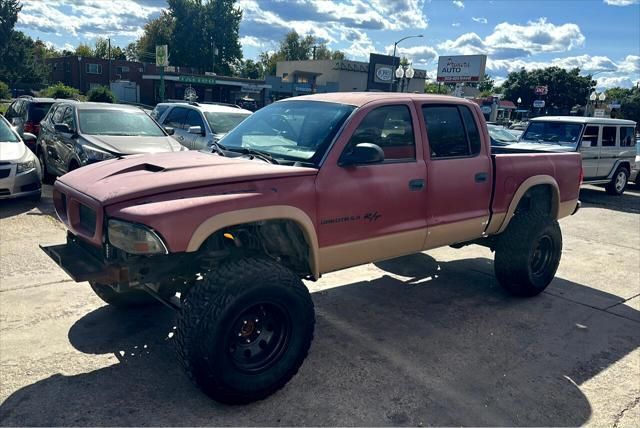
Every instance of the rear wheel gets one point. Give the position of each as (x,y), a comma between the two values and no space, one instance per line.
(245,330)
(47,177)
(528,253)
(619,182)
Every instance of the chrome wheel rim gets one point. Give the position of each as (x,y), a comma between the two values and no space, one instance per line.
(621,180)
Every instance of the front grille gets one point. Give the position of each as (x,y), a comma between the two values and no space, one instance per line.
(87,219)
(4,192)
(4,173)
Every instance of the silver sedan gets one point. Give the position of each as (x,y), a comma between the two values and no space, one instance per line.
(20,173)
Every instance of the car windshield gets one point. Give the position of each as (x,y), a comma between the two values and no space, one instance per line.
(295,130)
(38,110)
(557,133)
(501,135)
(222,122)
(118,122)
(6,134)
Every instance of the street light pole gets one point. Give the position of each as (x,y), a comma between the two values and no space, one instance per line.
(586,107)
(393,67)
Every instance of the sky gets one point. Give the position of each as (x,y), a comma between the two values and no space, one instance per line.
(599,36)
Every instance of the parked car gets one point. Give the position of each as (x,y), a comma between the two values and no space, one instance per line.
(74,134)
(19,167)
(606,145)
(302,187)
(634,170)
(248,103)
(197,126)
(500,136)
(25,114)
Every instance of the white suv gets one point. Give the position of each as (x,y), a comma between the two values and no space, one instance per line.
(198,125)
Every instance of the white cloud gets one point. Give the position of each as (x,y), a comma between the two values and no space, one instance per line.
(459,3)
(621,2)
(513,40)
(480,20)
(420,55)
(251,41)
(455,24)
(361,45)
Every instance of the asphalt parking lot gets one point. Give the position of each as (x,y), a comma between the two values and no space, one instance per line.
(429,339)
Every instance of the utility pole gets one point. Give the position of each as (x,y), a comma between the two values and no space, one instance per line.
(214,52)
(314,47)
(109,56)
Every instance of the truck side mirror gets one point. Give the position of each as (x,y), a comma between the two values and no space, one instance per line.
(195,130)
(170,130)
(63,127)
(362,154)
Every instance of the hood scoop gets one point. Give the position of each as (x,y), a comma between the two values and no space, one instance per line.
(147,167)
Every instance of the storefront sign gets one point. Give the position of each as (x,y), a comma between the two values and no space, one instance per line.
(300,88)
(464,68)
(599,112)
(538,103)
(541,90)
(162,56)
(197,80)
(383,73)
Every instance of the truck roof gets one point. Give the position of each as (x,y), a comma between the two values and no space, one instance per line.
(579,119)
(361,98)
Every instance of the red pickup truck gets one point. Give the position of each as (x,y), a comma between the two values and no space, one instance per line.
(303,187)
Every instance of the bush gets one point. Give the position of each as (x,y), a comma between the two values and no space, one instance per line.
(4,91)
(101,94)
(60,91)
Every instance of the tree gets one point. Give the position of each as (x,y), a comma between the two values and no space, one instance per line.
(101,94)
(629,100)
(9,10)
(158,31)
(434,88)
(251,70)
(131,52)
(565,88)
(60,91)
(323,52)
(101,49)
(486,83)
(18,65)
(84,50)
(4,91)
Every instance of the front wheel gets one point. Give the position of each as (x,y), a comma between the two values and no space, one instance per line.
(619,182)
(47,177)
(528,253)
(244,331)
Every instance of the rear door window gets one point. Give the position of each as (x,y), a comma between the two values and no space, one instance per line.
(194,119)
(37,111)
(446,132)
(609,136)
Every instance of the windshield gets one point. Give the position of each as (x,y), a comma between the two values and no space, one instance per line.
(564,134)
(38,110)
(295,130)
(222,122)
(6,134)
(501,135)
(118,122)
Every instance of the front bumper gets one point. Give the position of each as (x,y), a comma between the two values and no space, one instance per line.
(18,185)
(82,264)
(578,206)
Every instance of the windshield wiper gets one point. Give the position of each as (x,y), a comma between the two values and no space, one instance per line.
(265,156)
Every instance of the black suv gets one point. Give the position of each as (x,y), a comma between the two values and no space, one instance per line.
(74,134)
(25,114)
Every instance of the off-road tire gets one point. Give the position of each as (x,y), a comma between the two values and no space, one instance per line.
(614,187)
(528,253)
(208,344)
(129,299)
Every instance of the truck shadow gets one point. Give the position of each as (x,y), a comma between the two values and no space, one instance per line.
(629,202)
(428,343)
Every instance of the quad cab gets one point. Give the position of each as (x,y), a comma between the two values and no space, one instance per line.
(303,187)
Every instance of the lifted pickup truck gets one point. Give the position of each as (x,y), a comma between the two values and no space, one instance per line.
(303,187)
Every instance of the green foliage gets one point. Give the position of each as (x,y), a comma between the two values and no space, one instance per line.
(294,47)
(4,91)
(84,50)
(250,69)
(60,90)
(9,10)
(18,64)
(434,88)
(486,84)
(158,31)
(101,94)
(629,100)
(566,88)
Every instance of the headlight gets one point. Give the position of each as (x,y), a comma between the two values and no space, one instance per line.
(135,238)
(95,154)
(26,166)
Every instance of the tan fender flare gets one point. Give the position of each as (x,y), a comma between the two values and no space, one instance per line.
(530,182)
(274,212)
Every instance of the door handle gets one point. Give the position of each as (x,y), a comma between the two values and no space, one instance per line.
(180,137)
(481,177)
(417,184)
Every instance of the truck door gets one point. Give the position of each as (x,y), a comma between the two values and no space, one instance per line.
(194,141)
(175,119)
(609,150)
(459,174)
(376,211)
(590,151)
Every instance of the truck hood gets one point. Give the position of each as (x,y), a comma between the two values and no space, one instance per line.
(129,145)
(132,177)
